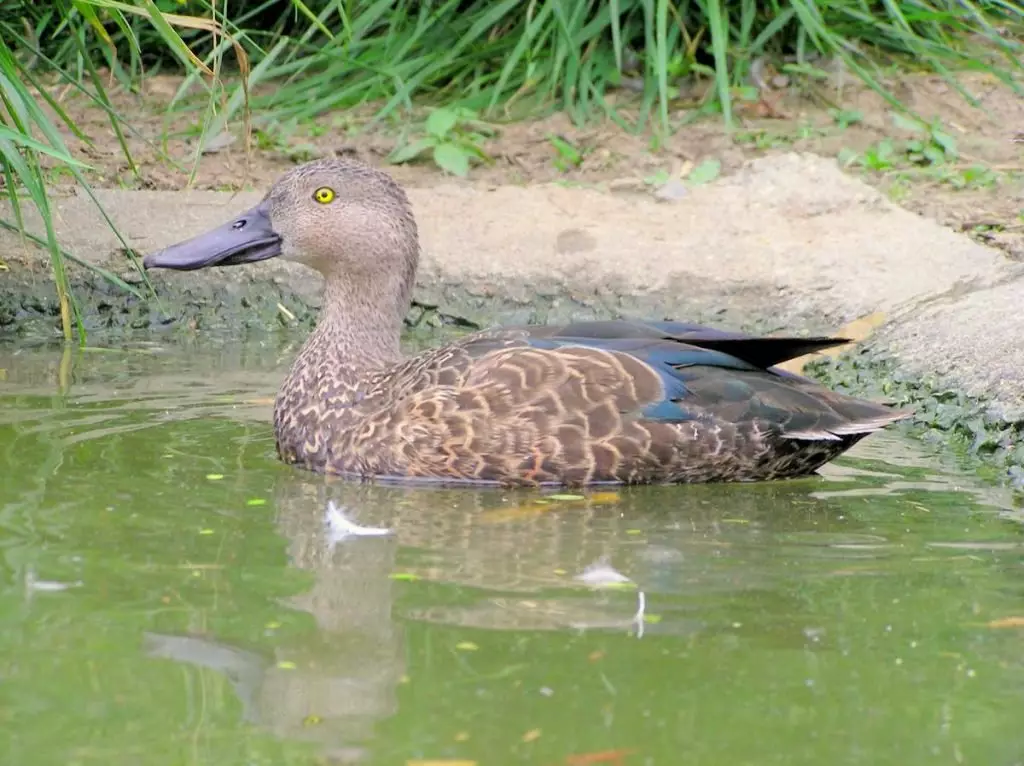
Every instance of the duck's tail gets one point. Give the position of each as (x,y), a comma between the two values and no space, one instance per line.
(850,419)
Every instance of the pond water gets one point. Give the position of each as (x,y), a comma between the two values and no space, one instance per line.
(171,594)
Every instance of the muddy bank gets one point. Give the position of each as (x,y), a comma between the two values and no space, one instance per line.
(788,243)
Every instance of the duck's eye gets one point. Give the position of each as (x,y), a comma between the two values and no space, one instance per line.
(324,195)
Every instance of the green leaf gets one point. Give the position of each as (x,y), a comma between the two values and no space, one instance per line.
(440,122)
(934,155)
(946,141)
(659,178)
(411,151)
(705,172)
(474,150)
(452,159)
(906,123)
(6,134)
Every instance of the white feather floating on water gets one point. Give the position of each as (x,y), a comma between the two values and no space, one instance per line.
(639,617)
(32,585)
(600,574)
(340,527)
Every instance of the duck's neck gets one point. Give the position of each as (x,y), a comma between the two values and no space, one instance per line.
(359,330)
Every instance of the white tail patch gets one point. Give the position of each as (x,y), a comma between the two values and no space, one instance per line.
(853,428)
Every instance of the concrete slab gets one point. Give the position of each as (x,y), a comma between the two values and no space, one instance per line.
(790,240)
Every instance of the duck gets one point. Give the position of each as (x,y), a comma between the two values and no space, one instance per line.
(585,403)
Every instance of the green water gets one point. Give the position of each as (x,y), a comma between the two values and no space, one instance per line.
(169,595)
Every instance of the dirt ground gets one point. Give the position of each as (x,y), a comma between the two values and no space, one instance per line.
(980,191)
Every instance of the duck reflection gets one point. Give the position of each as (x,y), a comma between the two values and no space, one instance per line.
(514,560)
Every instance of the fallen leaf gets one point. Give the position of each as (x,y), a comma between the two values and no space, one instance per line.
(599,756)
(518,512)
(1007,622)
(466,646)
(531,735)
(286,665)
(856,331)
(214,476)
(256,501)
(404,576)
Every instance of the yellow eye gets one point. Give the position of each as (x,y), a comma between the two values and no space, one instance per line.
(324,195)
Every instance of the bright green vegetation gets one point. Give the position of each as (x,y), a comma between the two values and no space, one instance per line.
(496,59)
(169,596)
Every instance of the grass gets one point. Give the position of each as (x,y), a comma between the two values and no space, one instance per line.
(291,60)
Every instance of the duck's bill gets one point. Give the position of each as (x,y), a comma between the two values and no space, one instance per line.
(245,239)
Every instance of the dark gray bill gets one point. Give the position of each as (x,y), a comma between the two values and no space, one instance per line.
(246,239)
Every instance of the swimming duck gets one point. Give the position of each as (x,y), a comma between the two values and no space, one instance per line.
(572,405)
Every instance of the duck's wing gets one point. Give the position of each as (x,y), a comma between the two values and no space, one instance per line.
(761,351)
(728,378)
(601,405)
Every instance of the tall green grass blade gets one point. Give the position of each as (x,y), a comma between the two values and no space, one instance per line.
(313,18)
(18,227)
(101,95)
(718,22)
(17,138)
(661,59)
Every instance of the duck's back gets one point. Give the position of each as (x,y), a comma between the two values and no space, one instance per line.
(622,402)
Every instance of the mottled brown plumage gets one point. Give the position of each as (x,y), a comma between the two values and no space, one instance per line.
(592,402)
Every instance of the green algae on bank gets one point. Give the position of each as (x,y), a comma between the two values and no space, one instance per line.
(968,428)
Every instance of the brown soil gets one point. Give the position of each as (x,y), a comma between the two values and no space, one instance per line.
(991,207)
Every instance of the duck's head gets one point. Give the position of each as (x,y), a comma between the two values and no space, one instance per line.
(343,218)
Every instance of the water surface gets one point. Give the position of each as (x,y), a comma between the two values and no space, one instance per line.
(170,594)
